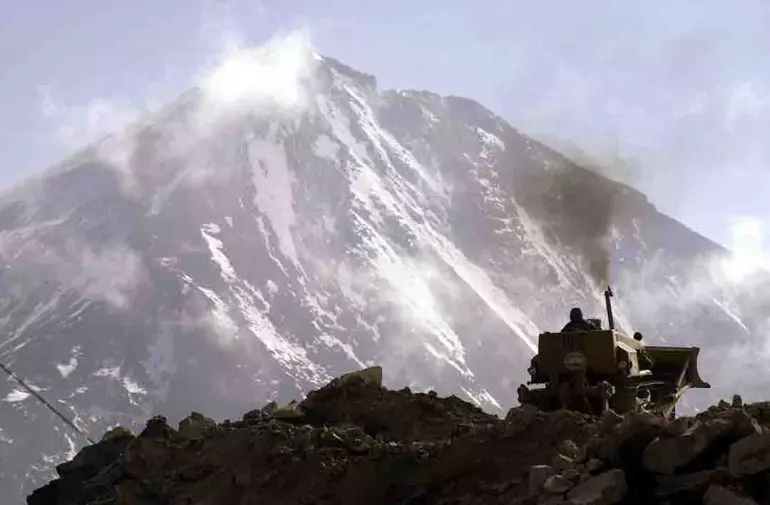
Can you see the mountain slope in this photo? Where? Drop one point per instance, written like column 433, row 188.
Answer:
column 213, row 257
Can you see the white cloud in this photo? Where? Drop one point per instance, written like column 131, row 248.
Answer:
column 707, row 295
column 273, row 74
column 101, row 123
column 75, row 126
column 273, row 79
column 749, row 249
column 111, row 275
column 745, row 100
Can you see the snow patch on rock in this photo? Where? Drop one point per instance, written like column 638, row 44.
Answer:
column 273, row 181
column 326, row 148
column 67, row 368
column 17, row 395
column 217, row 255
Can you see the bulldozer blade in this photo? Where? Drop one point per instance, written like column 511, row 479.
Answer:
column 677, row 366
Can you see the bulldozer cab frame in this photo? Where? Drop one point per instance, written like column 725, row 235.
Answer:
column 598, row 352
column 594, row 370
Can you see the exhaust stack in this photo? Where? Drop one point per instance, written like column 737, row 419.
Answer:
column 607, row 295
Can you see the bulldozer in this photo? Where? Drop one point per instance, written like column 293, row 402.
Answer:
column 596, row 370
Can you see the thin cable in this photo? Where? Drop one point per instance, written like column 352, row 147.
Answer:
column 45, row 402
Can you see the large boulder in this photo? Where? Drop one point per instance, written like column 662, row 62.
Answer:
column 750, row 455
column 557, row 484
column 523, row 414
column 157, row 428
column 668, row 454
column 519, row 419
column 678, row 426
column 92, row 458
column 608, row 421
column 290, row 413
column 371, row 375
column 689, row 484
column 606, row 488
column 570, row 449
column 117, row 432
column 538, row 474
column 196, row 426
column 560, row 462
column 628, row 438
column 720, row 495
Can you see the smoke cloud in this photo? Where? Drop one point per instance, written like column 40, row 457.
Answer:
column 574, row 207
column 587, row 207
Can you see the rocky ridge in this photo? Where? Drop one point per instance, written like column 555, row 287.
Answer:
column 354, row 441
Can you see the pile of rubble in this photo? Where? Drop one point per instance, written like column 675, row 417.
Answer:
column 354, row 442
column 720, row 457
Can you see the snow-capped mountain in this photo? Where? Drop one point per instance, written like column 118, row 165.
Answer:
column 216, row 256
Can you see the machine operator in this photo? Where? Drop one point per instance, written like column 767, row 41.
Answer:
column 577, row 323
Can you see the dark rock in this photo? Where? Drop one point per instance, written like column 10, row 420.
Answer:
column 93, row 458
column 556, row 484
column 157, row 427
column 571, row 474
column 538, row 474
column 196, row 426
column 750, row 455
column 561, row 462
column 691, row 483
column 604, row 489
column 628, row 439
column 720, row 495
column 570, row 449
column 678, row 426
column 520, row 418
column 289, row 414
column 46, row 495
column 371, row 375
column 118, row 432
column 270, row 408
column 594, row 465
column 666, row 455
column 254, row 416
column 608, row 421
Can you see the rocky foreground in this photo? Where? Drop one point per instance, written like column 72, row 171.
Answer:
column 355, row 442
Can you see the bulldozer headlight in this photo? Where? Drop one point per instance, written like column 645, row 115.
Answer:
column 575, row 361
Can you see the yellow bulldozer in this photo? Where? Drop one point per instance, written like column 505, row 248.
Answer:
column 595, row 370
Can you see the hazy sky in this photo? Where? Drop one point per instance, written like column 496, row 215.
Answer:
column 679, row 88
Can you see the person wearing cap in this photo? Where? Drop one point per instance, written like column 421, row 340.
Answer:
column 577, row 323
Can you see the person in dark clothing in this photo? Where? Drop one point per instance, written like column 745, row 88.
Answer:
column 577, row 323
